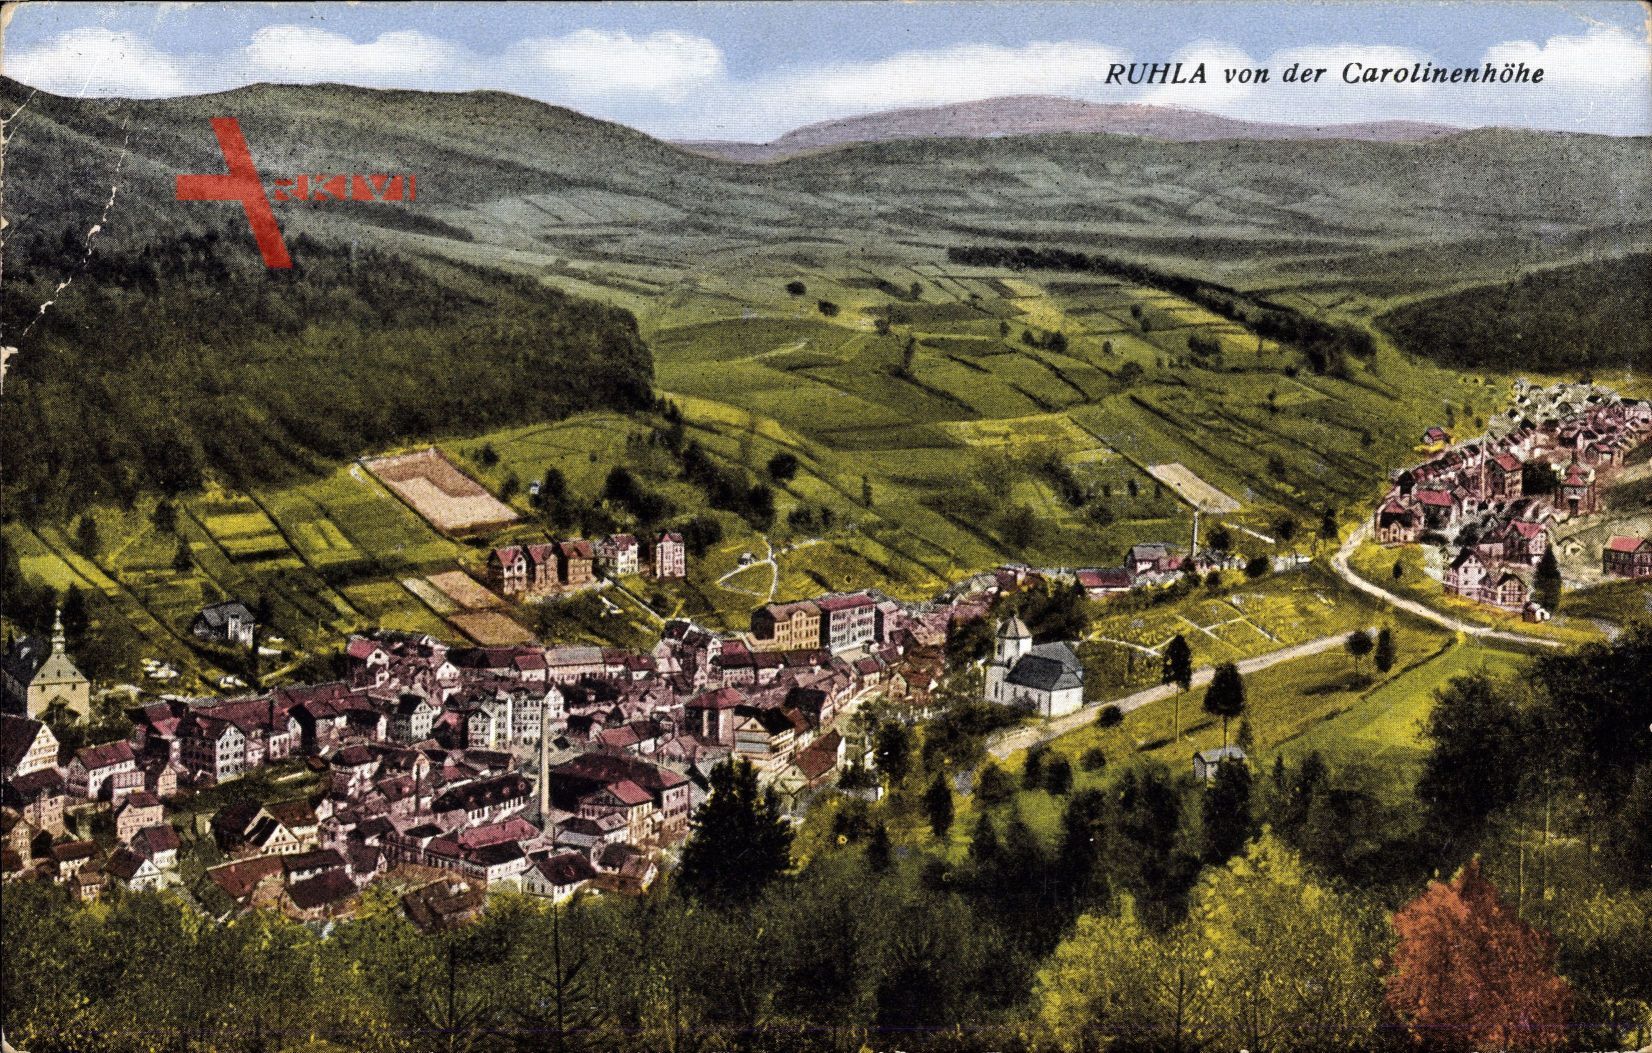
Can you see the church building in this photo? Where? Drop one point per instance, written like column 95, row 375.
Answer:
column 35, row 678
column 1047, row 679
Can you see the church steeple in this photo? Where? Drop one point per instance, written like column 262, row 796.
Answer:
column 59, row 641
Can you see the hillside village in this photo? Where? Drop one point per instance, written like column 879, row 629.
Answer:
column 1493, row 503
column 449, row 769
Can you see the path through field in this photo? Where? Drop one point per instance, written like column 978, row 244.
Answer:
column 1021, row 738
column 1339, row 563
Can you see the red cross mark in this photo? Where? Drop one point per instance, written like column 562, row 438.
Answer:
column 240, row 184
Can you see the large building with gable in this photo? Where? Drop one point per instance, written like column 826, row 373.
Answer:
column 1047, row 679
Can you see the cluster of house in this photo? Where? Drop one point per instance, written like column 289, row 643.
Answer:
column 1570, row 439
column 565, row 566
column 548, row 768
column 36, row 791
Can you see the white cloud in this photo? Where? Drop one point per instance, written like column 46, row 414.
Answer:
column 92, row 60
column 667, row 65
column 676, row 83
column 956, row 74
column 304, row 54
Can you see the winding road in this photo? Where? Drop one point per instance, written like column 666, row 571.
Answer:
column 1021, row 738
column 1339, row 563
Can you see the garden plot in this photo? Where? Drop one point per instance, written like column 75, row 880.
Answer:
column 462, row 591
column 434, row 487
column 1192, row 489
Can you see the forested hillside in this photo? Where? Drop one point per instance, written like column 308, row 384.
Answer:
column 162, row 365
column 1586, row 316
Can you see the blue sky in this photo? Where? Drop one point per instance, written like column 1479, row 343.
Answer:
column 755, row 70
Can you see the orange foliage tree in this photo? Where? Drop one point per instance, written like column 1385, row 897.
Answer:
column 1469, row 974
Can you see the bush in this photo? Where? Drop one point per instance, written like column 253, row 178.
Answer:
column 1058, row 776
column 1093, row 759
column 1109, row 717
column 993, row 784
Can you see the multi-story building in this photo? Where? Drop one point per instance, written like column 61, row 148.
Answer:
column 786, row 626
column 847, row 621
column 670, row 556
column 1627, row 557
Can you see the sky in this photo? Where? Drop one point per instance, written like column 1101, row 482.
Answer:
column 752, row 71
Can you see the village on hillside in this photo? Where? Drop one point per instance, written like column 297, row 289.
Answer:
column 448, row 769
column 1492, row 506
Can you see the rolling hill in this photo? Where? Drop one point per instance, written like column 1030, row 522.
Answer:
column 1049, row 115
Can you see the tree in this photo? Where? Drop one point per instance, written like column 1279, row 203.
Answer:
column 1473, row 766
column 796, row 288
column 993, row 785
column 938, row 806
column 866, row 491
column 1328, row 530
column 828, row 308
column 553, row 489
column 182, row 559
column 87, row 541
column 1385, row 649
column 740, row 843
column 77, row 620
column 1225, row 697
column 1178, row 670
column 782, row 467
column 1225, row 811
column 1093, row 759
column 1399, row 569
column 1288, row 959
column 1358, row 645
column 1546, row 582
column 878, row 852
column 985, row 850
column 916, row 291
column 1286, row 529
column 489, row 456
column 1114, row 977
column 1032, row 769
column 1058, row 776
column 1246, row 739
column 1469, row 974
column 893, row 749
column 1110, row 716
column 1257, row 567
column 165, row 517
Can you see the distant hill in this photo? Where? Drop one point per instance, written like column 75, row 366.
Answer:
column 522, row 185
column 1046, row 115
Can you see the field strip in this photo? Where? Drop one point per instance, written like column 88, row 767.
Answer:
column 1006, row 743
column 1192, row 489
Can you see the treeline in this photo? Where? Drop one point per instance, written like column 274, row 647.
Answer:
column 1567, row 319
column 186, row 359
column 1323, row 344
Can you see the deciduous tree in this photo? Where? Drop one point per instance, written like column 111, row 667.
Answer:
column 1468, row 974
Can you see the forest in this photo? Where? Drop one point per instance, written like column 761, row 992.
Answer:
column 1588, row 316
column 1285, row 909
column 159, row 367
